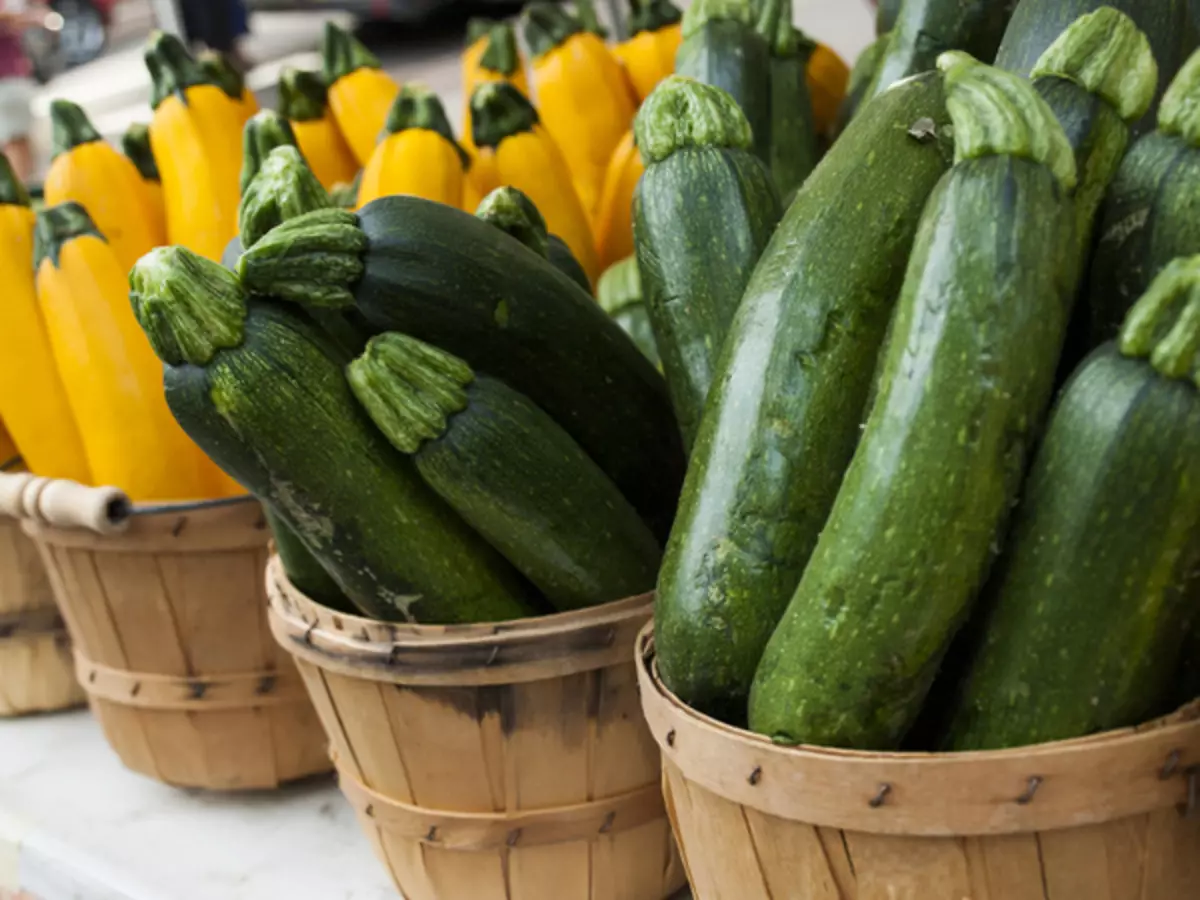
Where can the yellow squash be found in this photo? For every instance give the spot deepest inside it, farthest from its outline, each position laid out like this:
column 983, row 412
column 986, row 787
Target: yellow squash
column 112, row 377
column 614, row 220
column 827, row 78
column 303, row 100
column 222, row 72
column 136, row 144
column 526, row 157
column 360, row 93
column 649, row 53
column 33, row 403
column 417, row 154
column 9, row 453
column 196, row 136
column 89, row 171
column 584, row 97
column 491, row 55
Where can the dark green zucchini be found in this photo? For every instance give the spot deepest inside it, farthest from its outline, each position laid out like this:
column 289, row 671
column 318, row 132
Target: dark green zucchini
column 1088, row 609
column 861, row 78
column 1036, row 24
column 793, row 134
column 303, row 570
column 619, row 293
column 925, row 29
column 787, row 402
column 515, row 214
column 283, row 187
column 265, row 131
column 721, row 48
column 561, row 257
column 702, row 214
column 443, row 276
column 509, row 471
column 262, row 392
column 1150, row 214
column 968, row 374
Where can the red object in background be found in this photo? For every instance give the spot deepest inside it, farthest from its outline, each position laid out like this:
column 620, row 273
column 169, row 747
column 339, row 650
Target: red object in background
column 106, row 8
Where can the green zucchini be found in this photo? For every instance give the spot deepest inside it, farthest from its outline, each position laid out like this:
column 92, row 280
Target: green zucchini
column 262, row 392
column 885, row 16
column 722, row 48
column 862, row 75
column 1088, row 609
column 925, row 29
column 515, row 214
column 561, row 257
column 345, row 196
column 787, row 402
column 968, row 374
column 283, row 187
column 793, row 134
column 702, row 214
column 1150, row 215
column 1189, row 674
column 302, row 568
column 509, row 471
column 445, row 277
column 265, row 131
column 1036, row 24
column 619, row 293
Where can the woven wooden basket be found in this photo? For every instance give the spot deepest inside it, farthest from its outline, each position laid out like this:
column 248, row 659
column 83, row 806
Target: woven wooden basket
column 1101, row 818
column 168, row 616
column 492, row 762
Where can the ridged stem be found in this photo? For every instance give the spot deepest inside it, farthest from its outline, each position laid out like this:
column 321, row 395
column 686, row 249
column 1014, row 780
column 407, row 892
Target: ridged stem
column 478, row 27
column 1164, row 325
column 1179, row 112
column 546, row 26
column 409, row 388
column 501, row 54
column 996, row 113
column 682, row 112
column 314, row 260
column 190, row 307
column 303, row 95
column 516, row 215
column 69, row 128
column 701, row 12
column 284, row 188
column 172, row 69
column 135, row 143
column 265, row 131
column 651, row 15
column 775, row 26
column 12, row 191
column 343, row 53
column 55, row 226
column 498, row 111
column 1106, row 54
column 222, row 73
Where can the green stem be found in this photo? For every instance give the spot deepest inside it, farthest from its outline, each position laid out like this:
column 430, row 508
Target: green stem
column 1164, row 325
column 478, row 27
column 1106, row 54
column 55, row 226
column 284, row 188
column 190, row 307
column 303, row 96
column 222, row 73
column 996, row 113
column 1179, row 111
column 342, row 53
column 620, row 286
column 775, row 26
column 585, row 11
column 69, row 128
column 701, row 12
column 409, row 388
column 314, row 259
column 12, row 191
column 498, row 111
column 172, row 69
column 501, row 54
column 516, row 215
column 135, row 143
column 416, row 106
column 546, row 26
column 682, row 112
column 265, row 131
column 652, row 15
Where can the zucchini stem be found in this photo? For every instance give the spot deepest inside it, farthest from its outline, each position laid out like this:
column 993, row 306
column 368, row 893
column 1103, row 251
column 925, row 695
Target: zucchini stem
column 135, row 143
column 313, row 259
column 1179, row 112
column 265, row 131
column 283, row 188
column 701, row 12
column 12, row 191
column 499, row 111
column 222, row 73
column 683, row 112
column 652, row 15
column 172, row 69
column 303, row 95
column 343, row 54
column 55, row 226
column 516, row 215
column 1164, row 325
column 546, row 26
column 501, row 54
column 416, row 106
column 69, row 128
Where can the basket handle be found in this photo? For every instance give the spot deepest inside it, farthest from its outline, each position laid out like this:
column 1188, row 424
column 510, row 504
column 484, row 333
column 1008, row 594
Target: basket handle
column 60, row 503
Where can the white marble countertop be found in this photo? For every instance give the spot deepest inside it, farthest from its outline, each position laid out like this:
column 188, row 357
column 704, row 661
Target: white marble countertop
column 76, row 825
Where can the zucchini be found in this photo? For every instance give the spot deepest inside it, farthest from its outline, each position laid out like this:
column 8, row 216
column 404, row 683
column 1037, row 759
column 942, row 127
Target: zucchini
column 702, row 214
column 263, row 132
column 509, row 471
column 282, row 188
column 619, row 293
column 302, row 568
column 1149, row 215
column 861, row 78
column 787, row 402
column 722, row 48
column 1036, row 24
column 926, row 28
column 262, row 391
column 967, row 377
column 445, row 277
column 1089, row 607
column 793, row 134
column 564, row 260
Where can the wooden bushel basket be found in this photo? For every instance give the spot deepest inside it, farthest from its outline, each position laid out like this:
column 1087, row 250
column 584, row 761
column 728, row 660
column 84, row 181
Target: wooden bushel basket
column 492, row 762
column 166, row 609
column 1099, row 818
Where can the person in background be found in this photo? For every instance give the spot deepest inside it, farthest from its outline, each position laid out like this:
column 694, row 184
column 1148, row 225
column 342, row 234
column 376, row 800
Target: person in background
column 217, row 24
column 16, row 83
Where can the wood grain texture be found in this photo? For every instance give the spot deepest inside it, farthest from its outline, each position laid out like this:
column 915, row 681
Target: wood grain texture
column 173, row 647
column 517, row 769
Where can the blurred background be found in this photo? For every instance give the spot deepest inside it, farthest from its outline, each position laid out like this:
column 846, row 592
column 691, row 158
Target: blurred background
column 89, row 51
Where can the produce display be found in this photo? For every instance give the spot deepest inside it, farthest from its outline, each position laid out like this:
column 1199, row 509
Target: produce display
column 304, row 102
column 360, row 93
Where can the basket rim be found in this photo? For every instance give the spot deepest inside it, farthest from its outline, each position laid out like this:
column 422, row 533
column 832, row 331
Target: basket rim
column 1061, row 784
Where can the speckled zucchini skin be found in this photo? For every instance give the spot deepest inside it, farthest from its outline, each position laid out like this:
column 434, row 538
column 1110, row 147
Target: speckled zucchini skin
column 564, row 260
column 701, row 219
column 303, row 569
column 785, row 410
column 277, row 414
column 1087, row 610
column 966, row 380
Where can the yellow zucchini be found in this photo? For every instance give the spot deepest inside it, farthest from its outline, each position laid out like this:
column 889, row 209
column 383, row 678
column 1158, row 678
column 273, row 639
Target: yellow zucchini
column 649, row 53
column 304, row 102
column 360, row 92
